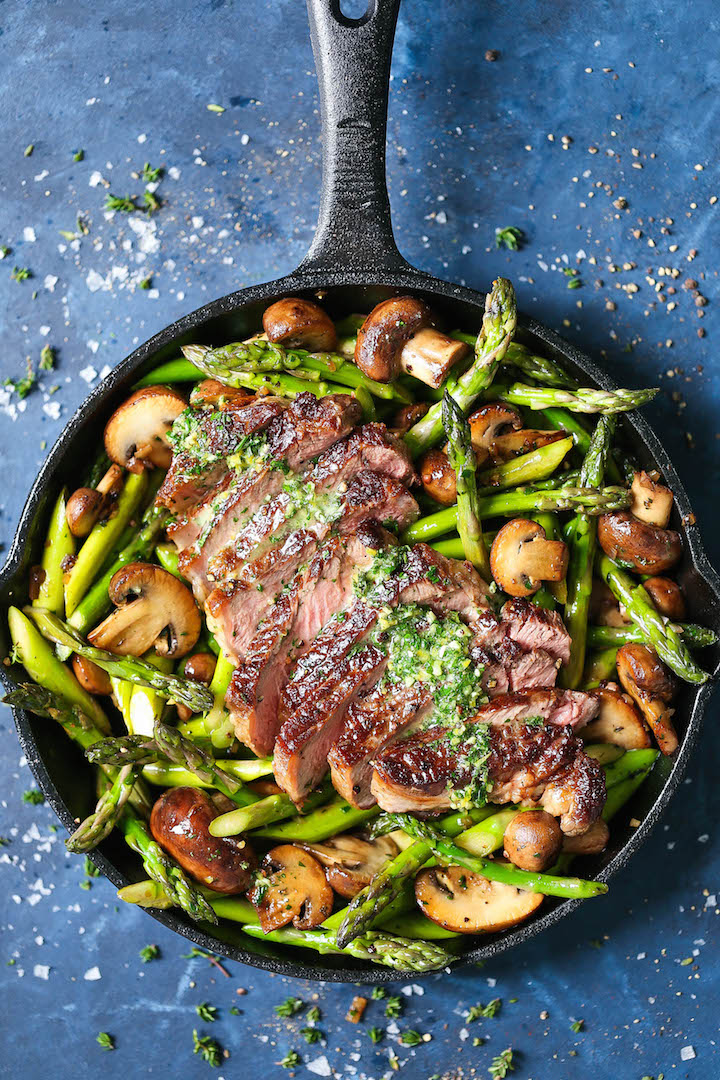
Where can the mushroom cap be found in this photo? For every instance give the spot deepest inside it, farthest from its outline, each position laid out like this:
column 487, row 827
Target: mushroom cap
column 91, row 677
column 407, row 415
column 299, row 323
column 438, row 477
column 591, row 842
column 136, row 433
column 296, row 890
column 521, row 558
column 180, row 821
column 385, row 332
column 492, row 420
column 468, row 903
column 533, row 840
column 648, row 549
column 618, row 721
column 667, row 596
column 83, row 510
column 200, row 667
column 211, row 394
column 652, row 687
column 154, row 609
column 649, row 501
column 351, row 862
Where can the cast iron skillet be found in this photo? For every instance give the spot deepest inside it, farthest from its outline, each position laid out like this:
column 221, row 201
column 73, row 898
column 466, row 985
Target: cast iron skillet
column 353, row 264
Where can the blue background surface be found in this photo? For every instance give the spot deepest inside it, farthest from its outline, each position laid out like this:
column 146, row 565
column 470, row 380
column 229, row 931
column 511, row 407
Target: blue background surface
column 473, row 145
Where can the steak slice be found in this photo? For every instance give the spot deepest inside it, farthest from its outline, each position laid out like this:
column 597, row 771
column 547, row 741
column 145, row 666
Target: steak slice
column 202, row 442
column 301, row 752
column 236, row 607
column 532, row 764
column 372, row 724
column 370, row 448
column 319, row 590
column 534, row 627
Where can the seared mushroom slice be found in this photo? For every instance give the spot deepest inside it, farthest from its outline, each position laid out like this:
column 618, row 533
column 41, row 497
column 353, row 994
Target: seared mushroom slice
column 407, row 415
column 438, row 477
column 490, row 422
column 523, row 441
column 292, row 888
column 604, row 608
column 667, row 596
column 86, row 506
column 591, row 842
column 200, row 667
column 521, row 558
column 618, row 721
column 399, row 335
column 136, row 433
column 299, row 324
column 650, row 685
column 649, row 501
column 91, row 677
column 647, row 549
column 533, row 840
column 350, row 862
column 211, row 394
column 154, row 610
column 180, row 823
column 468, row 903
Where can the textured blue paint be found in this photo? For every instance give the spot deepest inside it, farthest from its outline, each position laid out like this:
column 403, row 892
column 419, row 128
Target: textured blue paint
column 457, row 136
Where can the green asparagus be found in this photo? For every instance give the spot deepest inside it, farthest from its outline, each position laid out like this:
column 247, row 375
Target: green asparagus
column 582, row 400
column 606, row 637
column 464, row 463
column 539, row 368
column 265, row 811
column 181, row 751
column 173, row 371
column 335, row 817
column 167, row 555
column 599, row 665
column 59, row 547
column 659, row 634
column 537, row 466
column 95, row 828
column 142, row 750
column 376, row 946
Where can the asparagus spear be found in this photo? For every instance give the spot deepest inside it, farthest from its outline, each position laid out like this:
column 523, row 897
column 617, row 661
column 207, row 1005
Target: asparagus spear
column 523, row 500
column 336, row 817
column 218, row 724
column 139, row 672
column 141, row 750
column 659, row 634
column 173, row 371
column 401, row 954
column 167, row 555
column 582, row 541
column 95, row 828
column 498, row 327
column 537, row 466
column 51, row 704
column 607, row 637
column 582, row 400
column 627, row 766
column 265, row 811
column 102, row 539
column 539, row 368
column 59, row 546
column 601, row 665
column 464, row 463
column 181, row 751
column 148, row 894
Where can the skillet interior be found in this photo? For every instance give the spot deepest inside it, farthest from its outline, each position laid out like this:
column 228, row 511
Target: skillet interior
column 60, row 769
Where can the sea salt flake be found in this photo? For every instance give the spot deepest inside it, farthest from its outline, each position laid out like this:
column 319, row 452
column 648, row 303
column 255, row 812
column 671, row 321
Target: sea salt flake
column 92, row 974
column 88, row 373
column 244, row 139
column 174, row 172
column 44, row 330
column 320, row 1066
column 687, row 1053
column 29, row 235
column 52, row 409
column 50, row 282
column 41, row 176
column 95, row 179
column 41, row 971
column 142, row 138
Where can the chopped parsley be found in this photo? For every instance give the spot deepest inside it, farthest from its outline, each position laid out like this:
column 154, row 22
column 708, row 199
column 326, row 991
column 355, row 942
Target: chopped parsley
column 208, row 1048
column 152, row 203
column 378, row 993
column 47, row 358
column 393, row 1007
column 376, row 1034
column 313, row 1014
column 90, row 868
column 150, row 175
column 33, row 797
column 124, row 206
column 311, row 1034
column 290, row 1006
column 577, row 1026
column 27, row 152
column 150, row 952
column 509, row 237
column 21, row 273
column 79, row 155
column 412, row 1038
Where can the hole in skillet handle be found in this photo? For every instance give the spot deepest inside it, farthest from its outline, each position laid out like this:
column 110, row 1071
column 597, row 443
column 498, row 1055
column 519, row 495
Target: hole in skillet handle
column 353, row 12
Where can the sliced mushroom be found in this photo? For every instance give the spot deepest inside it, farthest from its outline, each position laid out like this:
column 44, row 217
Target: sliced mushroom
column 86, row 506
column 91, row 677
column 649, row 501
column 136, row 433
column 200, row 667
column 180, row 821
column 408, row 415
column 618, row 721
column 521, row 558
column 533, row 840
column 490, row 422
column 211, row 394
column 667, row 596
column 650, row 685
column 508, row 446
column 399, row 335
column 438, row 477
column 591, row 842
column 350, row 862
column 645, row 548
column 154, row 610
column 299, row 324
column 604, row 608
column 468, row 903
column 292, row 888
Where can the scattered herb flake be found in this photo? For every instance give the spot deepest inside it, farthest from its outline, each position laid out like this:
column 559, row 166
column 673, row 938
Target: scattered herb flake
column 411, row 1038
column 291, row 1060
column 491, row 1009
column 150, row 952
column 216, row 108
column 106, row 1041
column 206, row 1012
column 27, row 152
column 79, row 155
column 376, row 1034
column 509, row 237
column 21, row 273
column 393, row 1007
column 313, row 1014
column 502, row 1064
column 150, row 175
column 208, row 1048
column 152, row 203
column 378, row 993
column 34, row 797
column 577, row 1026
column 146, row 282
column 47, row 358
column 290, row 1006
column 125, row 206
column 311, row 1034
column 90, row 868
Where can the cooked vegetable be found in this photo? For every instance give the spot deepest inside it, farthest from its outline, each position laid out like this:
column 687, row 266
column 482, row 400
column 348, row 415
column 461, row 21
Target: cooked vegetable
column 651, row 502
column 648, row 549
column 464, row 465
column 698, row 637
column 522, row 558
column 95, row 828
column 91, row 677
column 291, row 888
column 533, row 840
column 87, row 505
column 136, row 433
column 397, row 953
column 618, row 721
column 591, row 842
column 58, row 552
column 351, row 862
column 667, row 596
column 469, row 903
column 399, row 335
column 648, row 683
column 299, row 323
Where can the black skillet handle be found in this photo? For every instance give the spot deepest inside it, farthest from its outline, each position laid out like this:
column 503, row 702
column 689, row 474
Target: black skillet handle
column 352, row 58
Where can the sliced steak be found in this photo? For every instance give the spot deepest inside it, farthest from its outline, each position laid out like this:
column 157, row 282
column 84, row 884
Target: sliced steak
column 202, row 442
column 323, row 587
column 372, row 724
column 301, row 752
column 534, row 627
column 527, row 763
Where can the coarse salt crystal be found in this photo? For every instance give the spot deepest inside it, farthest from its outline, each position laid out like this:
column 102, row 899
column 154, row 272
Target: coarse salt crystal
column 88, row 373
column 52, row 409
column 41, row 971
column 50, row 282
column 142, row 138
column 92, row 974
column 29, row 235
column 320, row 1066
column 687, row 1053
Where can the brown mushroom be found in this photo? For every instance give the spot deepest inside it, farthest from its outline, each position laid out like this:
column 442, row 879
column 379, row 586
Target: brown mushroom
column 667, row 596
column 399, row 335
column 490, row 422
column 618, row 721
column 86, row 506
column 604, row 608
column 524, row 441
column 651, row 686
column 438, row 477
column 407, row 415
column 521, row 558
column 211, row 394
column 91, row 677
column 591, row 842
column 180, row 821
column 649, row 501
column 351, row 862
column 468, row 903
column 533, row 840
column 645, row 548
column 136, row 433
column 292, row 888
column 200, row 667
column 299, row 324
column 154, row 610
